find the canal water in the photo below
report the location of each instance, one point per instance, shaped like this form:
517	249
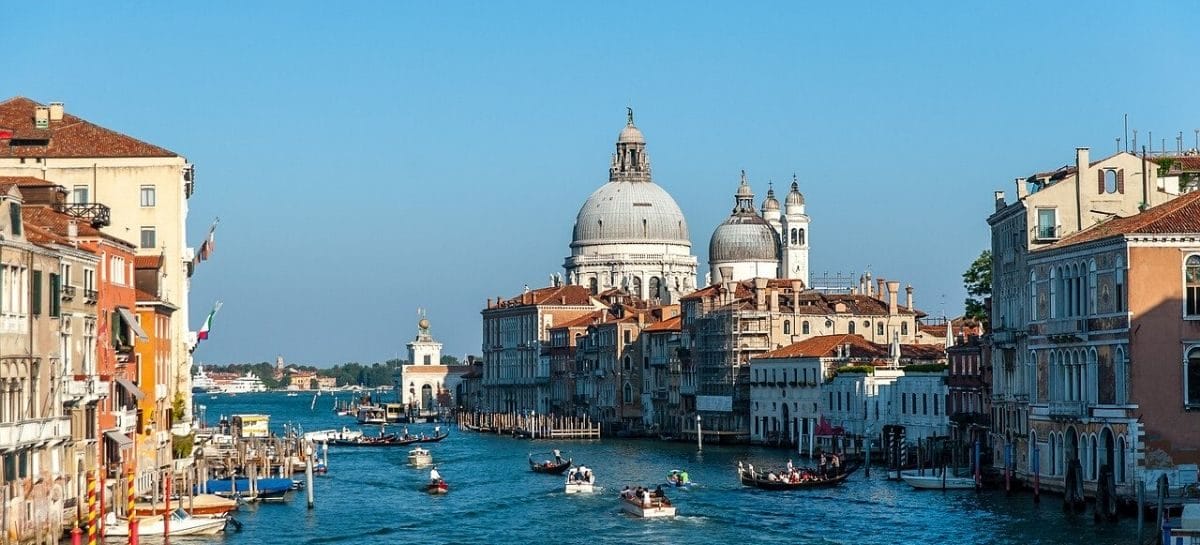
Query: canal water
371	495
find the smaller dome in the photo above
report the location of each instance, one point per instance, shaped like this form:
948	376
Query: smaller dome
770	203
631	135
743	237
795	197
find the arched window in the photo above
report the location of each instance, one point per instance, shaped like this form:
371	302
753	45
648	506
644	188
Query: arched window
804	327
800	237
592	286
1091	288
793	236
1191	386
1053	448
1119	469
1119	288
1191	286
628	336
1033	310
628	393
787	327
655	287
851	327
637	286
1110	181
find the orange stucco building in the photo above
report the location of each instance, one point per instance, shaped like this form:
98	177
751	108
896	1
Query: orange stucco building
153	358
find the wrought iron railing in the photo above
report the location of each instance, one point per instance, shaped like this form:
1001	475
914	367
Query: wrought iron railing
97	214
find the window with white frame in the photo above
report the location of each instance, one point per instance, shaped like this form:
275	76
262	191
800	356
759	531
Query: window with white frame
79	194
1191	376
148	197
148	237
1191	286
1047	223
116	270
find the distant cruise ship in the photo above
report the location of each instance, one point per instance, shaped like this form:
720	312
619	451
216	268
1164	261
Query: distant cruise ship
245	383
202	383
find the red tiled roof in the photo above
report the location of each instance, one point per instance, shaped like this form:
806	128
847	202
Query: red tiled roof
69	137
26	181
553	295
670	324
1180	215
826	346
58	223
582	321
147	261
145	296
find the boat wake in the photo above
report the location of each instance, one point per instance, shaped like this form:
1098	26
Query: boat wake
354	536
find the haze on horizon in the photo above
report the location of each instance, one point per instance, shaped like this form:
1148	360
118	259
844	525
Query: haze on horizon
382	158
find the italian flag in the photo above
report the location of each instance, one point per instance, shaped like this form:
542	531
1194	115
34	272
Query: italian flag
203	334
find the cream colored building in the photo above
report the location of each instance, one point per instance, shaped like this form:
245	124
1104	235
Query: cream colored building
144	187
425	383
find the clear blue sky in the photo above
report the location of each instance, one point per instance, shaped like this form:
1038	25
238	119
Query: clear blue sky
367	159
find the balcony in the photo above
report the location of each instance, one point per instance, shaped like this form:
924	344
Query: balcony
68	292
126	421
1071	410
82	386
13	435
97	214
160	391
1047	233
89	296
660	394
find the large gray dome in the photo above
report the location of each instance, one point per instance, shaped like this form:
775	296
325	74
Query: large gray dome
743	237
622	212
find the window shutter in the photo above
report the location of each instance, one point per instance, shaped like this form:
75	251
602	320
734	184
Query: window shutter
55	295
1121	180
14	212
37	293
1100	178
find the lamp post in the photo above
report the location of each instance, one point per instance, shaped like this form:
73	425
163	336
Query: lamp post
699	434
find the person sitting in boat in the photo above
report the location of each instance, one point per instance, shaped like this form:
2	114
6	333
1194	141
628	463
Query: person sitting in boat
625	492
683	477
646	497
434	476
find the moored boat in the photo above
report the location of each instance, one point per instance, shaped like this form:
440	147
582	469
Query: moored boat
264	489
646	505
199	506
419	457
937	480
182	524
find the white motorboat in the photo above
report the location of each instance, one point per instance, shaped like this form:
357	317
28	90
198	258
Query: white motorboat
419	457
656	507
936	480
182	524
327	436
580	481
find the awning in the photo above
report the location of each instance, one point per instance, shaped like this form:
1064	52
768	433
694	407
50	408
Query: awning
119	438
132	388
132	323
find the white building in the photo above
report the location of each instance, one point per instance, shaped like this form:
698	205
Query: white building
773	245
426	384
630	234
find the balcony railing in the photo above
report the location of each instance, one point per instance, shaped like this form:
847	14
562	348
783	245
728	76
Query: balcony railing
127	421
15	434
1066	409
68	292
1047	232
95	213
89	296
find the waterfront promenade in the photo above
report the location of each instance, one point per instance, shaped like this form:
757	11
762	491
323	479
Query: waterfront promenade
372	496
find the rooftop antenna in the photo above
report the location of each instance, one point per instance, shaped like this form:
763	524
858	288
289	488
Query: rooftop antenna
1118	144
1126	135
1179	143
1135	139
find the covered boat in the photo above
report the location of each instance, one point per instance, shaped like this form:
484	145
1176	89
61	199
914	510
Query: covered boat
554	464
182	524
419	457
644	504
937	480
264	489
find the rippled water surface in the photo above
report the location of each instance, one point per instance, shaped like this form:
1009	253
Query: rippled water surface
371	496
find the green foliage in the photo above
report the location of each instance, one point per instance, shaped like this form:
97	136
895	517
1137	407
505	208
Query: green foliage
978	281
449	360
865	369
925	368
181	446
178	405
347	374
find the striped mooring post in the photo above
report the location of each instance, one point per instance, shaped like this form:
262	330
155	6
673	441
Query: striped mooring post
129	508
91	508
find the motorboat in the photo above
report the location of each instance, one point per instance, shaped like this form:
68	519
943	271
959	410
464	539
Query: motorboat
265	489
419	457
438	486
199	506
937	480
580	480
370	414
648	506
679	479
182	524
328	436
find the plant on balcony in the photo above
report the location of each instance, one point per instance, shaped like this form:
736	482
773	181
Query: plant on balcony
181	445
925	368
177	406
864	369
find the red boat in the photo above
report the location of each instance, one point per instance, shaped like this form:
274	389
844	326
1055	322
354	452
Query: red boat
437	487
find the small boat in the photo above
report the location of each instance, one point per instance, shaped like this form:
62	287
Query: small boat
369	414
805	478
553	466
427	439
265	489
292	394
937	480
679	479
324	436
646	507
580	480
437	487
419	457
182	524
1185	528
199	506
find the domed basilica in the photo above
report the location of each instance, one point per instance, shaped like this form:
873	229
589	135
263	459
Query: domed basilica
631	235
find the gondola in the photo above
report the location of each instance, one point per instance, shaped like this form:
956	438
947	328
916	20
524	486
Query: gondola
758	481
434	439
390	440
549	466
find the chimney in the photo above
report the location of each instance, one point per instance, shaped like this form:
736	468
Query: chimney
760	294
867	290
797	286
893	290
41	117
1022	188
879	288
72	231
725	273
773	302
908	297
999	196
56	111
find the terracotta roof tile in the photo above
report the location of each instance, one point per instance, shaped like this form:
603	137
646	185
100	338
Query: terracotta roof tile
826	346
1180	215
582	321
69	137
143	296
553	295
147	262
670	324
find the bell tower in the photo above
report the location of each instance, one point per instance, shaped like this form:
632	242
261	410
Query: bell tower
794	236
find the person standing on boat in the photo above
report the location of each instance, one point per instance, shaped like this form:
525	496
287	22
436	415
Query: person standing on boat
789	466
557	456
434	476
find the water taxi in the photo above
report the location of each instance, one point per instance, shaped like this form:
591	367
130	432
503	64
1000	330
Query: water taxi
419	457
937	480
580	480
647	506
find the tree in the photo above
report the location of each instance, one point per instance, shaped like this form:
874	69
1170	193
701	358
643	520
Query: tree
449	360
978	281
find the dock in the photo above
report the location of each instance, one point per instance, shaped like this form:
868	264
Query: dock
531	426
